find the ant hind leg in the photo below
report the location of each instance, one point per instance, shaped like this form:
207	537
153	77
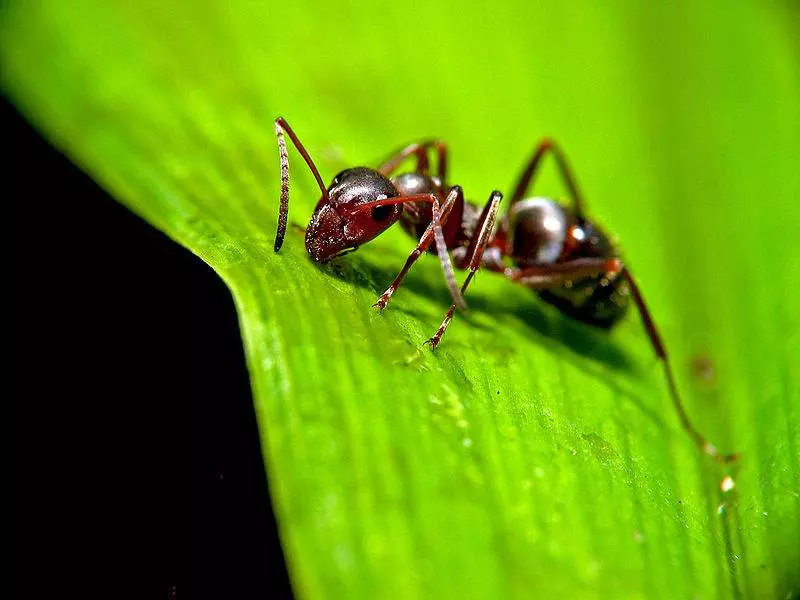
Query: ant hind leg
543	147
661	352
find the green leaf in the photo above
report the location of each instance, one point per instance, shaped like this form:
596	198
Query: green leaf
530	456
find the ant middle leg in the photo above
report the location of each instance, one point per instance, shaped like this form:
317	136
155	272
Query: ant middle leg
483	234
420	150
540	277
526	178
558	274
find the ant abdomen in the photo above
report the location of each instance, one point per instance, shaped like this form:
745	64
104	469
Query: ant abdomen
538	230
599	300
544	232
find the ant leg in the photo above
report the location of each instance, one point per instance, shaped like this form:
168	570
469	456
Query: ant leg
455	196
661	352
432	233
545	145
543	277
420	150
558	274
555	275
484	233
281	126
534	277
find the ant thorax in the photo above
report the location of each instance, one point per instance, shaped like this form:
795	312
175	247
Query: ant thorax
460	224
417	215
409	184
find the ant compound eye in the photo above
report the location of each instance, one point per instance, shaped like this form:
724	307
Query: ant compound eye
381	213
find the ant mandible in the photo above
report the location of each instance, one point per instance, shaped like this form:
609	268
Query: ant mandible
556	250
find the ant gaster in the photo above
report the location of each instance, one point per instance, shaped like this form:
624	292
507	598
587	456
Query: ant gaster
555	250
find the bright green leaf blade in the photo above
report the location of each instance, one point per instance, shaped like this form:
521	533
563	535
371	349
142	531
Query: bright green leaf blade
530	456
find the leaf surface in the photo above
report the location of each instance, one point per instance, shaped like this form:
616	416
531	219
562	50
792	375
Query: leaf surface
530	455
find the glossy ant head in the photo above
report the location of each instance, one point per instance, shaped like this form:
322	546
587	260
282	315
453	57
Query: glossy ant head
349	213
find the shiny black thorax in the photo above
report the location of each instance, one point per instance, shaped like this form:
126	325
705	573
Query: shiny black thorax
417	216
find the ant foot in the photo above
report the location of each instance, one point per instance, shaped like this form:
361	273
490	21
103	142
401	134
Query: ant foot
382	302
731	458
724	459
433	342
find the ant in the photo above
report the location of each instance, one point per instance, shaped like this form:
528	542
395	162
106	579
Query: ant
556	251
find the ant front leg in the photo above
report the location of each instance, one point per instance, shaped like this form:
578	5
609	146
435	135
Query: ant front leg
525	180
434	231
661	352
420	150
484	233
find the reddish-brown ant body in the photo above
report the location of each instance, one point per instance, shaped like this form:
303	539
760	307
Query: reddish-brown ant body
555	250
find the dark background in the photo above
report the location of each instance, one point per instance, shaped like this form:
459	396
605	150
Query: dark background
139	471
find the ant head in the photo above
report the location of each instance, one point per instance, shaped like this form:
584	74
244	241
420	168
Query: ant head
351	213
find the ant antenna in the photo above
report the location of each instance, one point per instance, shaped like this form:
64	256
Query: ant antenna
282	126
